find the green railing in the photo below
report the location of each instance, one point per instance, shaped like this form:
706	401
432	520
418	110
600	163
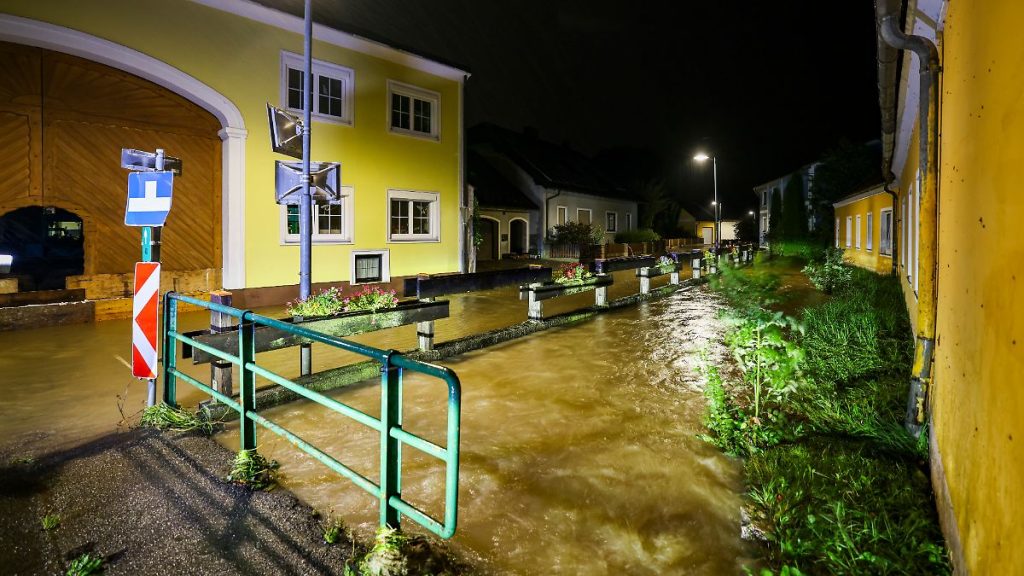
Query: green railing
392	436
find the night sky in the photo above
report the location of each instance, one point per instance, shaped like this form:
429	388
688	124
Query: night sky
765	86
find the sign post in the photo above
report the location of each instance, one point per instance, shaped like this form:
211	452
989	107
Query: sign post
149	201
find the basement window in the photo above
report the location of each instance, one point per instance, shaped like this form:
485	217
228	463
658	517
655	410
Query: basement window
370	266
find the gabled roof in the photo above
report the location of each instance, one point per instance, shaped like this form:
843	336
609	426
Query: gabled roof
331	28
491	189
550	165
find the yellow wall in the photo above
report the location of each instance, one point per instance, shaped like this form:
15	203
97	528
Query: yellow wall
240	58
978	402
872	258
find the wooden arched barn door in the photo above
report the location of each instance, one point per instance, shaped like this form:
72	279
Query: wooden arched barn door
63	122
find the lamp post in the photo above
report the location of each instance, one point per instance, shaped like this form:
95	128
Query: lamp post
702	157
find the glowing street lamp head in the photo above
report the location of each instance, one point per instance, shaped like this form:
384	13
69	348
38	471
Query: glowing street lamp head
700	157
714	203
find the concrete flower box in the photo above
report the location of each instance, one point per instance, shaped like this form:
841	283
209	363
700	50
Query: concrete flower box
340	325
645	274
536	293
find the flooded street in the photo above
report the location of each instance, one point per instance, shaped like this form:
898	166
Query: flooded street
578	445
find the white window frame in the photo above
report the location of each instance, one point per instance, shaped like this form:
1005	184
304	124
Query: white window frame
629	221
590	215
347	223
615	221
837	232
561	214
869	243
916	224
385	266
435	215
857	233
320	68
883	242
415	93
849	230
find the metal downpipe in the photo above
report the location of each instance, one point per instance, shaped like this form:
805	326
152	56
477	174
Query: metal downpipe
928	129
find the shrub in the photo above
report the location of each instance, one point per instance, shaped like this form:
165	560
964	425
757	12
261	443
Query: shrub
732	430
830	273
805	249
666	264
640	235
574	233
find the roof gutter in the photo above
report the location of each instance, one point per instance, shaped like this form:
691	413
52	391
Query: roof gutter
887	13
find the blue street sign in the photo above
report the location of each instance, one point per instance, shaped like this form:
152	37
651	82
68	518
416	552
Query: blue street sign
149	198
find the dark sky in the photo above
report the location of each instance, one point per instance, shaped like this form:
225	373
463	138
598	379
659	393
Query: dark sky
765	86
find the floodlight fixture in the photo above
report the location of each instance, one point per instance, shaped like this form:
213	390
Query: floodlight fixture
324	182
5	263
700	157
285	132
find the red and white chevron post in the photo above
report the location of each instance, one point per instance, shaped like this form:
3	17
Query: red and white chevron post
144	319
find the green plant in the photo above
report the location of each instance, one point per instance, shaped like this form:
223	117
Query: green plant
334	530
830	274
50	521
251	469
84	565
371	298
327	302
834	507
769	360
666	264
575	273
164	417
638	235
579	233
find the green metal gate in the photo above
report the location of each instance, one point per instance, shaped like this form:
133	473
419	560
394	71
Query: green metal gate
389	425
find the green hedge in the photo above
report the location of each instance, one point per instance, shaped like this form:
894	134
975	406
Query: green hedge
631	236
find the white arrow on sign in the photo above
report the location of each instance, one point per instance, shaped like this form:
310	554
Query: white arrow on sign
150	202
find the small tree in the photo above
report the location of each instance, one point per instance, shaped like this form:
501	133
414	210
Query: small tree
774	214
794	210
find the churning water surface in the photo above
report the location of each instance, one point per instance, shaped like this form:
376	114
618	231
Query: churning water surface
579	448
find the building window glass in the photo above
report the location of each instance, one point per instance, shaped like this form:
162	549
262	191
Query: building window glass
629	221
562	215
583	215
333	85
413	111
870	230
885	236
837	232
413	216
611	222
370	266
857	233
332	223
849	231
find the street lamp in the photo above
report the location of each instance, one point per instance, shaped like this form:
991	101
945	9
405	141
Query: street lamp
701	157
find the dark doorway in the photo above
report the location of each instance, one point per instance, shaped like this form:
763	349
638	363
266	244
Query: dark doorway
517	236
488	249
47	246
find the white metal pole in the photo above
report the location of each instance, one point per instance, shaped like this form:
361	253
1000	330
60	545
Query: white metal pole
718	208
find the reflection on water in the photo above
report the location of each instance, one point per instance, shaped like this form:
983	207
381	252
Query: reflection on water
578	444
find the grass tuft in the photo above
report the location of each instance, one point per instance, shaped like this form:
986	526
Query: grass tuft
251	469
85	565
50	521
164	417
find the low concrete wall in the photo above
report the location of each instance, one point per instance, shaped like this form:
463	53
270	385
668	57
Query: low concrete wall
35	316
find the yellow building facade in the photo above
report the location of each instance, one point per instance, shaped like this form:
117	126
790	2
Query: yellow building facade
864	229
975	403
391	118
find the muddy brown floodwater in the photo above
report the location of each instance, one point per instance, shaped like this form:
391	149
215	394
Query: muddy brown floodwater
579	448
